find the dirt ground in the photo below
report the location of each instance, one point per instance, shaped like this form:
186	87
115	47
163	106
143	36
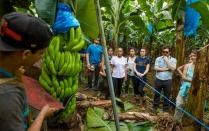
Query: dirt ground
34	73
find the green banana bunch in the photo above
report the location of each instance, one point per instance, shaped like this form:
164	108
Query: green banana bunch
76	41
68	110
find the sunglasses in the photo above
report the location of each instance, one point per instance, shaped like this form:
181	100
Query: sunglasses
166	52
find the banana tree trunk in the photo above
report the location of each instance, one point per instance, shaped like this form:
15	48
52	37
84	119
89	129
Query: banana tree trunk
197	93
179	56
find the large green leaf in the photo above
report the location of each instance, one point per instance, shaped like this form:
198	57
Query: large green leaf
137	20
145	7
46	10
160	25
123	126
99	111
159	5
206	1
128	106
202	8
86	15
166	15
94	121
140	126
178	9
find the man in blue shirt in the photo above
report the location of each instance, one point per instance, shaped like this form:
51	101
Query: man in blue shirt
94	58
164	66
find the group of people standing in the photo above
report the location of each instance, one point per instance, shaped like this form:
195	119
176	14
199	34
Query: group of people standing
131	68
134	69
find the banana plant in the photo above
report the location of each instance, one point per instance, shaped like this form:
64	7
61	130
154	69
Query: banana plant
121	11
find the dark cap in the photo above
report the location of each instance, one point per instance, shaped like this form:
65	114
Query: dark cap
20	31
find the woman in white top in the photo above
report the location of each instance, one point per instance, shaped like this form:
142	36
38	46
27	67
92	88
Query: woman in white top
130	70
118	65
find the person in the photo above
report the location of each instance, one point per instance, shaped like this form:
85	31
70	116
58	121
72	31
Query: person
164	66
187	79
141	68
118	69
23	41
130	71
94	59
181	68
82	53
103	73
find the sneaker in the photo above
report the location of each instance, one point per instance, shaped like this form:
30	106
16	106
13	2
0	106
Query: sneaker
125	95
88	89
98	94
95	88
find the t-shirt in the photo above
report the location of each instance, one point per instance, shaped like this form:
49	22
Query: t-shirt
130	66
141	64
14	105
95	53
119	66
161	63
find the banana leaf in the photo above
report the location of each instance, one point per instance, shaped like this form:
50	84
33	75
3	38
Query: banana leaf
46	10
124	105
99	111
202	8
86	15
140	126
123	126
178	9
94	121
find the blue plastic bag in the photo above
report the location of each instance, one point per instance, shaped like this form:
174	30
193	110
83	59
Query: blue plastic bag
64	20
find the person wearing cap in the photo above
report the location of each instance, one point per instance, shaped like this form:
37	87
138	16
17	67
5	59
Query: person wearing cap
94	60
23	40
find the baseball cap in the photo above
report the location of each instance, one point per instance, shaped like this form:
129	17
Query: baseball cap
20	31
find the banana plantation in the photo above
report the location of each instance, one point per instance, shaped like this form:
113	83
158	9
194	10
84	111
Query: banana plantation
151	24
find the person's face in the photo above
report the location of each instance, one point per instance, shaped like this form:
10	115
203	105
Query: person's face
193	57
97	41
120	52
110	52
166	52
142	52
132	52
29	58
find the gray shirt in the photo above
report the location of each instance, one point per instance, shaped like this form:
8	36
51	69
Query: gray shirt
161	63
13	104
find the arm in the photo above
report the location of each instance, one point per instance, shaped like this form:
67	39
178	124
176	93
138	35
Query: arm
82	55
179	69
147	69
184	74
125	72
171	66
87	60
102	62
45	112
158	68
112	66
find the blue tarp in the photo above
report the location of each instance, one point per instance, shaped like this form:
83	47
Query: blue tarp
64	19
192	18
